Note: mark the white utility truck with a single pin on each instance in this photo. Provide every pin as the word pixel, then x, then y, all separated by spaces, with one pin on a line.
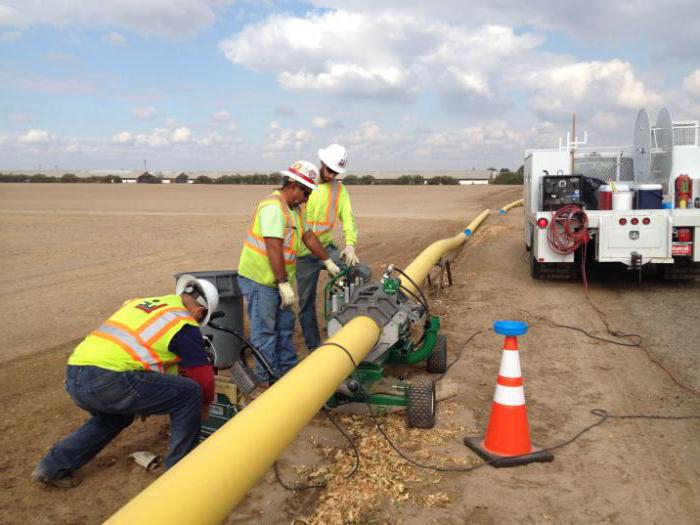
pixel 633 205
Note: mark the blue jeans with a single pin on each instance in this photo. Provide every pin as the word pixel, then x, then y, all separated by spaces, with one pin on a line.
pixel 113 399
pixel 271 328
pixel 308 271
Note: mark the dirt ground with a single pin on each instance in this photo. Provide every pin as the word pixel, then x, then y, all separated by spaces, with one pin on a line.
pixel 72 253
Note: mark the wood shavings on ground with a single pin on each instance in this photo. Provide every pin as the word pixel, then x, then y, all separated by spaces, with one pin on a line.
pixel 383 478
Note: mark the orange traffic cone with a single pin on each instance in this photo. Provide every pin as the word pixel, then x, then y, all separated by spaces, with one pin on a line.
pixel 507 441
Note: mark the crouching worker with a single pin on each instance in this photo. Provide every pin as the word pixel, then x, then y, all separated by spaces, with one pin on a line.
pixel 129 367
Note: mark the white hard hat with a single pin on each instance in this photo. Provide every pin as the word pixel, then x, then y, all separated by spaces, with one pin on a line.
pixel 204 292
pixel 304 172
pixel 335 157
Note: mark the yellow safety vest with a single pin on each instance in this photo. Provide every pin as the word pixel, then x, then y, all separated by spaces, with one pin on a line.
pixel 328 202
pixel 254 262
pixel 136 337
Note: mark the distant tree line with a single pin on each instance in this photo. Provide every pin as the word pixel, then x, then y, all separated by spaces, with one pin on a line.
pixel 256 178
pixel 505 176
pixel 65 178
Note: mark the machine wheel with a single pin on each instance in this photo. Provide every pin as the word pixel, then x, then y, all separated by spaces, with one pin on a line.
pixel 420 408
pixel 437 360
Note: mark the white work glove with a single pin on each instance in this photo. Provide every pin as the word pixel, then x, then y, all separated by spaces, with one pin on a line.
pixel 287 294
pixel 349 255
pixel 331 267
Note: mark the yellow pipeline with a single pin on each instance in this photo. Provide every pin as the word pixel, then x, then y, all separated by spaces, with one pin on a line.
pixel 209 482
pixel 421 265
pixel 510 205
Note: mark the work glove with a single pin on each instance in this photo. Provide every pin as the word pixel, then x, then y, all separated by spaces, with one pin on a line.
pixel 331 267
pixel 287 294
pixel 349 255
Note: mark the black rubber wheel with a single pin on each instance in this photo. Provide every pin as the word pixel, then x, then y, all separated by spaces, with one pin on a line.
pixel 535 268
pixel 437 360
pixel 420 410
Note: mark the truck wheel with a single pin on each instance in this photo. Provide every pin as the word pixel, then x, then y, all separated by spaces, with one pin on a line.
pixel 420 408
pixel 437 360
pixel 535 268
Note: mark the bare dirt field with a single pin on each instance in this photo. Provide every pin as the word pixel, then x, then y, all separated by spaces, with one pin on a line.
pixel 72 253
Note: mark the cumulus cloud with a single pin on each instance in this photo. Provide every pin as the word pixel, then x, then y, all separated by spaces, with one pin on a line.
pixel 384 56
pixel 145 113
pixel 115 39
pixel 158 138
pixel 286 140
pixel 164 18
pixel 324 123
pixel 222 116
pixel 123 138
pixel 36 136
pixel 691 83
pixel 181 135
pixel 587 85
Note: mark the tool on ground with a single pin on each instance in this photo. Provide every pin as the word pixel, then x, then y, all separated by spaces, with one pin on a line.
pixel 507 440
pixel 146 459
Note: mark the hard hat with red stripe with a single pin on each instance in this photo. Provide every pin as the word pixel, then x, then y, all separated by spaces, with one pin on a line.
pixel 302 171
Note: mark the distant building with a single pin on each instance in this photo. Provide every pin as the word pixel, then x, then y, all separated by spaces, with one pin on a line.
pixel 476 177
pixel 182 178
pixel 147 178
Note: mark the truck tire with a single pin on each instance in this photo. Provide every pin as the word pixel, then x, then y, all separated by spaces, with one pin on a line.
pixel 420 406
pixel 437 360
pixel 535 268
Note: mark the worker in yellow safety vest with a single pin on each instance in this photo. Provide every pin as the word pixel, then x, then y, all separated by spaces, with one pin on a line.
pixel 328 204
pixel 131 366
pixel 267 267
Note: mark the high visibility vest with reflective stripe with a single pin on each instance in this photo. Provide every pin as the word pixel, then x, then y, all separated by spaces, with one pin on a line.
pixel 322 210
pixel 254 263
pixel 136 337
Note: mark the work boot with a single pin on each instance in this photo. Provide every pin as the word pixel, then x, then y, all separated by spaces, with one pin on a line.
pixel 62 481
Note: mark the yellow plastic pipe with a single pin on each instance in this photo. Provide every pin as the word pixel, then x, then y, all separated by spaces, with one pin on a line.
pixel 421 265
pixel 206 485
pixel 510 205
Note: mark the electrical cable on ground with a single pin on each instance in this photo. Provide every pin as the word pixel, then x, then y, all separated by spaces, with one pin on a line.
pixel 567 233
pixel 337 425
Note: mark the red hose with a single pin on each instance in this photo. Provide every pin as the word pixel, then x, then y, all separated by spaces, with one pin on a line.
pixel 568 229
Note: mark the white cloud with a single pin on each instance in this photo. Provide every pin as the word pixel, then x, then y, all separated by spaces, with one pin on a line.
pixel 320 122
pixel 588 86
pixel 36 136
pixel 115 39
pixel 222 116
pixel 691 83
pixel 383 56
pixel 285 140
pixel 123 138
pixel 158 138
pixel 165 18
pixel 10 36
pixel 145 113
pixel 181 135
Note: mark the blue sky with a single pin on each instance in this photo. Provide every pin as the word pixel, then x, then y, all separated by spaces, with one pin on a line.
pixel 406 85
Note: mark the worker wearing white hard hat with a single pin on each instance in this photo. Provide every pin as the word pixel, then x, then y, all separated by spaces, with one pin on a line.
pixel 328 204
pixel 130 366
pixel 267 266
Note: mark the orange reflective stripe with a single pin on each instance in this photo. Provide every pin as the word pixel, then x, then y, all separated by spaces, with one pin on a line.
pixel 123 346
pixel 156 358
pixel 159 314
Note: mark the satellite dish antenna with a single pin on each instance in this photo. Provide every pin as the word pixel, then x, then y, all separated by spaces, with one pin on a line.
pixel 662 149
pixel 641 156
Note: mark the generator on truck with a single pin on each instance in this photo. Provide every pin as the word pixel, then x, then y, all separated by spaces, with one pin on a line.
pixel 635 205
